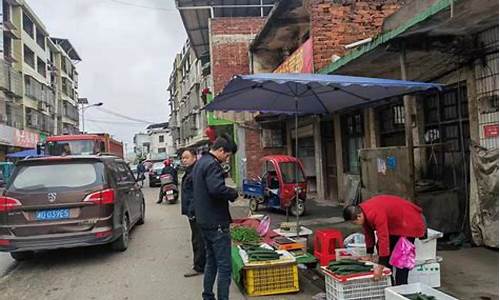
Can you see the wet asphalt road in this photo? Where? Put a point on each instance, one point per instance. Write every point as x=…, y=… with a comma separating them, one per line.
x=152, y=268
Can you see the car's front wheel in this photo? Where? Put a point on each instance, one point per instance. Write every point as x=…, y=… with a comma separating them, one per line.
x=143, y=213
x=22, y=255
x=121, y=244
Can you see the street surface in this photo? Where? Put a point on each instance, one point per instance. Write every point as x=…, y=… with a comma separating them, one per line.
x=152, y=268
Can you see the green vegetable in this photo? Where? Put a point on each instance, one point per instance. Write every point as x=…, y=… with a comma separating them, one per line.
x=245, y=235
x=348, y=267
x=348, y=262
x=419, y=296
x=259, y=253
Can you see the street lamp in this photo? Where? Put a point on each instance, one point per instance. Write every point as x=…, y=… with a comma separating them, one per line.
x=84, y=106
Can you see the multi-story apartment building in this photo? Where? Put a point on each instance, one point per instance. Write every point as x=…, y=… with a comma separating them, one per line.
x=37, y=80
x=32, y=55
x=142, y=145
x=156, y=143
x=64, y=77
x=189, y=82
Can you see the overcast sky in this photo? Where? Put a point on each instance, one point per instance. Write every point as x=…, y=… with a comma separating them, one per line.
x=127, y=55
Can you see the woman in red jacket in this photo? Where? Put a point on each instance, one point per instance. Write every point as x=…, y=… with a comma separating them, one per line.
x=391, y=217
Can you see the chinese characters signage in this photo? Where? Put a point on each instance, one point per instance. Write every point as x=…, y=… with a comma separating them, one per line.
x=490, y=131
x=301, y=61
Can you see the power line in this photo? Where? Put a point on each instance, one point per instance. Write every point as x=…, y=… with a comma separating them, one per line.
x=122, y=116
x=113, y=122
x=143, y=6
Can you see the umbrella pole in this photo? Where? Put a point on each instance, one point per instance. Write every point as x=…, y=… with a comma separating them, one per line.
x=296, y=168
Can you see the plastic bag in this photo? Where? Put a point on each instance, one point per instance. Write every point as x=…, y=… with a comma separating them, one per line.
x=264, y=225
x=403, y=255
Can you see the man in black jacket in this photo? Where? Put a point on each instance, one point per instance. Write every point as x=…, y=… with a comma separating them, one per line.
x=211, y=206
x=188, y=159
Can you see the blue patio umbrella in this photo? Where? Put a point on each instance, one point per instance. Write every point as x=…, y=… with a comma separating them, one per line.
x=298, y=93
x=308, y=93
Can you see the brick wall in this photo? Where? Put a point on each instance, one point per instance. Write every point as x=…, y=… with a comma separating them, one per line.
x=336, y=23
x=229, y=41
x=230, y=38
x=254, y=152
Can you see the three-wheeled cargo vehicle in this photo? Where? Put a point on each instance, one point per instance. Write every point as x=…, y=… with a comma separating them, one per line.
x=282, y=186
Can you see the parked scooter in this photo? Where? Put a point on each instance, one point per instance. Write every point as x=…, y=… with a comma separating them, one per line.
x=170, y=191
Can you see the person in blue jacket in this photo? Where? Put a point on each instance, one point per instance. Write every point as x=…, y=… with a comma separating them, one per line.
x=211, y=206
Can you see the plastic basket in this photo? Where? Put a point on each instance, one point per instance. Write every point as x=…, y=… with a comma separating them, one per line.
x=398, y=292
x=355, y=287
x=349, y=253
x=278, y=279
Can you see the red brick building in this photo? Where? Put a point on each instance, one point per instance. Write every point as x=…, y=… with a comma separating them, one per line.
x=297, y=32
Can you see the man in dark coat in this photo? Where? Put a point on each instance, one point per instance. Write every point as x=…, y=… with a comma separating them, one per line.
x=391, y=217
x=211, y=206
x=188, y=159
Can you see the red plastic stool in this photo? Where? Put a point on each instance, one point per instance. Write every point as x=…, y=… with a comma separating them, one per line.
x=325, y=242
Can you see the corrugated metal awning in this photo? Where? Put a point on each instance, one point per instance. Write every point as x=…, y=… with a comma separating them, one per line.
x=196, y=13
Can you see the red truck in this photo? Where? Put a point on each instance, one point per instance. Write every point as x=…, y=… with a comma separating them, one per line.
x=82, y=144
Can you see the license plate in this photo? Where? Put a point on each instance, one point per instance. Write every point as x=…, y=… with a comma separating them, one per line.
x=53, y=214
x=170, y=192
x=170, y=197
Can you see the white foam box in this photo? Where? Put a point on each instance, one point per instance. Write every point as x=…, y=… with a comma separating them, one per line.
x=397, y=292
x=426, y=249
x=429, y=274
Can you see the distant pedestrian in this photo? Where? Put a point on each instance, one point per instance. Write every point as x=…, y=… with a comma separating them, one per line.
x=188, y=159
x=141, y=172
x=211, y=197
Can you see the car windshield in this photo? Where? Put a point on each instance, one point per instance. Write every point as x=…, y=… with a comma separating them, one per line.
x=72, y=148
x=58, y=176
x=289, y=170
x=157, y=166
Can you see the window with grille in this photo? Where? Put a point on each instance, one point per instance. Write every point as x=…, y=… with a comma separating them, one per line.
x=446, y=125
x=352, y=139
x=28, y=25
x=29, y=56
x=161, y=139
x=40, y=38
x=41, y=67
x=391, y=124
x=272, y=137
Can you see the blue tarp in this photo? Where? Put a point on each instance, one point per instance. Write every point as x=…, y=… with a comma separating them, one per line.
x=24, y=153
x=308, y=93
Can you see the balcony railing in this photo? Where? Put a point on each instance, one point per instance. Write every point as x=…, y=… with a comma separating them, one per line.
x=71, y=112
x=11, y=80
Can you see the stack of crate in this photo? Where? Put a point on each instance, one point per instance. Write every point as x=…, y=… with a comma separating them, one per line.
x=428, y=269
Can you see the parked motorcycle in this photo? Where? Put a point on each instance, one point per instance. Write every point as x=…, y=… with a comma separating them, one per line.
x=170, y=191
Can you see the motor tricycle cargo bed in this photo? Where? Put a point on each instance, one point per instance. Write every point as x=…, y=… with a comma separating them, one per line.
x=252, y=188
